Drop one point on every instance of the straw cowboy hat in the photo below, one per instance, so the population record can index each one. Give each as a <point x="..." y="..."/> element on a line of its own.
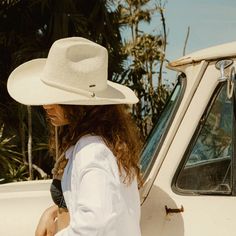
<point x="75" y="72"/>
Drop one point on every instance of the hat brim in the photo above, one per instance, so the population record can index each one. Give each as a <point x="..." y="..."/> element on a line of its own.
<point x="25" y="86"/>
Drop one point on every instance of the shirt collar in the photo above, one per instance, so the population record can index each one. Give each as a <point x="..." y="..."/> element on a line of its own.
<point x="69" y="152"/>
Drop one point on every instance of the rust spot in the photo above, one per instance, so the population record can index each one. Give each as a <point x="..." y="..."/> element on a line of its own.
<point x="174" y="210"/>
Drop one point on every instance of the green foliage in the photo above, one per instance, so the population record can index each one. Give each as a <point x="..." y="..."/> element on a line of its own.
<point x="145" y="50"/>
<point x="11" y="164"/>
<point x="16" y="173"/>
<point x="146" y="53"/>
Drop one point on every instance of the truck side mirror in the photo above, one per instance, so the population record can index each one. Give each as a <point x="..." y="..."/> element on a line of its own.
<point x="231" y="83"/>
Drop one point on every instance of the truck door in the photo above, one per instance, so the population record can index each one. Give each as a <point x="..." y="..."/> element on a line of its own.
<point x="194" y="190"/>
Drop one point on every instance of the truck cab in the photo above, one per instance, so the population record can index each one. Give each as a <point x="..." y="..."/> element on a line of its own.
<point x="188" y="161"/>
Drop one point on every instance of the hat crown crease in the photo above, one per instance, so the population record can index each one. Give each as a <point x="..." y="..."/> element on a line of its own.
<point x="76" y="67"/>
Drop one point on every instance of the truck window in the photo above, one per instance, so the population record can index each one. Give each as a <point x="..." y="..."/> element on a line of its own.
<point x="160" y="129"/>
<point x="207" y="167"/>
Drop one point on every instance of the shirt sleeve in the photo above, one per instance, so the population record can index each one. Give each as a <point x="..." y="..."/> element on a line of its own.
<point x="92" y="211"/>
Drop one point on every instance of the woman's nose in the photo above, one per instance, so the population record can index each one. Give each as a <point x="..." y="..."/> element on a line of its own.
<point x="46" y="107"/>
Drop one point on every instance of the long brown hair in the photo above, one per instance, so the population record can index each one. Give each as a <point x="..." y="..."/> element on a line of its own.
<point x="113" y="123"/>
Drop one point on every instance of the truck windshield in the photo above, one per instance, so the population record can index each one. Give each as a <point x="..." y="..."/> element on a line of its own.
<point x="157" y="135"/>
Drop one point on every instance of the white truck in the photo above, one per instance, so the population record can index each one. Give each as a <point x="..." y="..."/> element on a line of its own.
<point x="189" y="160"/>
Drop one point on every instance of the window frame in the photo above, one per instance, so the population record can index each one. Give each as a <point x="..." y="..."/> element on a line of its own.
<point x="192" y="143"/>
<point x="234" y="143"/>
<point x="182" y="80"/>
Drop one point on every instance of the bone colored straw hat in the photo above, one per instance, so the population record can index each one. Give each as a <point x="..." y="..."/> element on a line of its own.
<point x="75" y="72"/>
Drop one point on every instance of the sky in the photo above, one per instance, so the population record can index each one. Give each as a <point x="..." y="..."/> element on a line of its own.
<point x="211" y="22"/>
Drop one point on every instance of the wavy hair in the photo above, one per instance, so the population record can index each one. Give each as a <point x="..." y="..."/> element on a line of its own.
<point x="111" y="122"/>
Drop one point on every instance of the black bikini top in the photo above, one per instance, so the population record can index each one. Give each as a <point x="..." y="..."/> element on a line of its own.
<point x="57" y="194"/>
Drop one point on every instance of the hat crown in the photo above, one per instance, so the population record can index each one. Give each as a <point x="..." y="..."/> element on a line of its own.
<point x="76" y="64"/>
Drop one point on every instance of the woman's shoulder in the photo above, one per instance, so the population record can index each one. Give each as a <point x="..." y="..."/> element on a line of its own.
<point x="89" y="139"/>
<point x="90" y="143"/>
<point x="92" y="151"/>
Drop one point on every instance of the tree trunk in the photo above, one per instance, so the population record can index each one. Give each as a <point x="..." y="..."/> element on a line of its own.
<point x="30" y="142"/>
<point x="21" y="113"/>
<point x="186" y="41"/>
<point x="164" y="44"/>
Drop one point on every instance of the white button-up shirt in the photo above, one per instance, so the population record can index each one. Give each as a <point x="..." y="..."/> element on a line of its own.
<point x="99" y="203"/>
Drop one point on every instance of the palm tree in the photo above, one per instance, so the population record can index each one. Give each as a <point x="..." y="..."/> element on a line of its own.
<point x="146" y="54"/>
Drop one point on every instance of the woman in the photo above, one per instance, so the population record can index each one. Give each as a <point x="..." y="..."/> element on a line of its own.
<point x="97" y="143"/>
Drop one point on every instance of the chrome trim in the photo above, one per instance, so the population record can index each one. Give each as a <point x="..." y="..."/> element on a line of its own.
<point x="222" y="65"/>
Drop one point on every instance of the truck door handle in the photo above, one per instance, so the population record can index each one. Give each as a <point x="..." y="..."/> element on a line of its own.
<point x="174" y="210"/>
